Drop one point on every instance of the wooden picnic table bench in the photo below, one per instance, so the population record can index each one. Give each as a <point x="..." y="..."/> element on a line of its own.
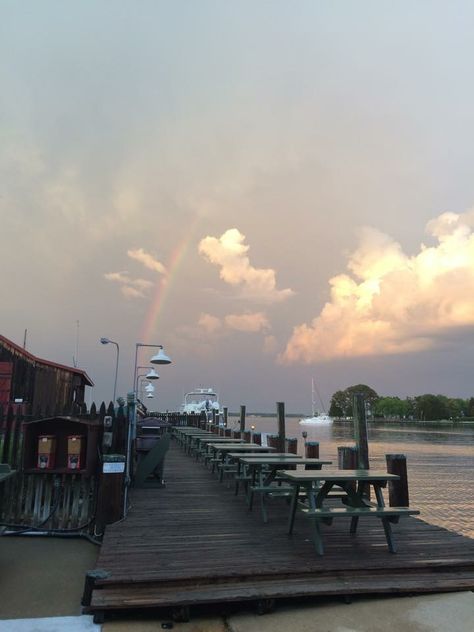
<point x="221" y="451"/>
<point x="264" y="476"/>
<point x="318" y="486"/>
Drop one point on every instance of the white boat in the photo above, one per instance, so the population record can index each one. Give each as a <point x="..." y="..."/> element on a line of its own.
<point x="317" y="418"/>
<point x="202" y="400"/>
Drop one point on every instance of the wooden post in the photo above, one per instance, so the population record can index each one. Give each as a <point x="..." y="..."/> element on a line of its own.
<point x="111" y="487"/>
<point x="360" y="430"/>
<point x="292" y="445"/>
<point x="247" y="436"/>
<point x="311" y="451"/>
<point x="242" y="418"/>
<point x="227" y="432"/>
<point x="226" y="413"/>
<point x="257" y="438"/>
<point x="398" y="490"/>
<point x="272" y="441"/>
<point x="281" y="426"/>
<point x="347" y="460"/>
<point x="213" y="415"/>
<point x="236" y="434"/>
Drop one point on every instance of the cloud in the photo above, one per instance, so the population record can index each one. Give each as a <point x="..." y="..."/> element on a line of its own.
<point x="229" y="252"/>
<point x="147" y="260"/>
<point x="270" y="345"/>
<point x="130" y="288"/>
<point x="209" y="323"/>
<point x="393" y="303"/>
<point x="247" y="322"/>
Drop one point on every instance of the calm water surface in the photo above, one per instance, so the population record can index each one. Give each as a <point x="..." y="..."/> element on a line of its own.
<point x="440" y="462"/>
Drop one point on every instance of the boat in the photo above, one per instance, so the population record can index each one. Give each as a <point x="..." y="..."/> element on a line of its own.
<point x="203" y="400"/>
<point x="317" y="418"/>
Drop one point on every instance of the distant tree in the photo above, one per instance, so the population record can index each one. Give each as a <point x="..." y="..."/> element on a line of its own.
<point x="431" y="407"/>
<point x="470" y="407"/>
<point x="391" y="407"/>
<point x="337" y="405"/>
<point x="341" y="401"/>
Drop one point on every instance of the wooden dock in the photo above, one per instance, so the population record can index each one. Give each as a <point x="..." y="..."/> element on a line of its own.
<point x="194" y="542"/>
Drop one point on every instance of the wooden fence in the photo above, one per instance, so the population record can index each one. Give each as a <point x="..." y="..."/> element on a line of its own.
<point x="54" y="500"/>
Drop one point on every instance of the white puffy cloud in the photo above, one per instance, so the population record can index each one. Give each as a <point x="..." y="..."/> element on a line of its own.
<point x="229" y="252"/>
<point x="209" y="323"/>
<point x="147" y="260"/>
<point x="130" y="288"/>
<point x="247" y="322"/>
<point x="392" y="302"/>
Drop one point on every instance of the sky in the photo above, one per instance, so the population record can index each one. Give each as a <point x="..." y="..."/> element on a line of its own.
<point x="274" y="191"/>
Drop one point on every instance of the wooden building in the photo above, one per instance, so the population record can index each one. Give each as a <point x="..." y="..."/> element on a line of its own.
<point x="36" y="384"/>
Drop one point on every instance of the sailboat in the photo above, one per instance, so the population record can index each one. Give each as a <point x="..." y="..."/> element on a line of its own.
<point x="318" y="418"/>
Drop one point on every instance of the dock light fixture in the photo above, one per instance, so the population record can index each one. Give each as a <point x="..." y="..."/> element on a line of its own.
<point x="106" y="341"/>
<point x="150" y="388"/>
<point x="152" y="375"/>
<point x="158" y="358"/>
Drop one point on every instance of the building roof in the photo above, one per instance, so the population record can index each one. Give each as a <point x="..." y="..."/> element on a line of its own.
<point x="8" y="343"/>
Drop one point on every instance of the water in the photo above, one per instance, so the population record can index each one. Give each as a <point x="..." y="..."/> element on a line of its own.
<point x="440" y="461"/>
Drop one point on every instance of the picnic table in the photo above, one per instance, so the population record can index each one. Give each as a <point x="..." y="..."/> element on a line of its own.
<point x="262" y="474"/>
<point x="318" y="485"/>
<point x="221" y="452"/>
<point x="199" y="444"/>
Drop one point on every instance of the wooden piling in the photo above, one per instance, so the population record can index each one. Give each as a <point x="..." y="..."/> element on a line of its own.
<point x="311" y="451"/>
<point x="226" y="413"/>
<point x="242" y="418"/>
<point x="347" y="458"/>
<point x="281" y="426"/>
<point x="111" y="488"/>
<point x="257" y="438"/>
<point x="360" y="430"/>
<point x="272" y="441"/>
<point x="398" y="490"/>
<point x="292" y="445"/>
<point x="247" y="435"/>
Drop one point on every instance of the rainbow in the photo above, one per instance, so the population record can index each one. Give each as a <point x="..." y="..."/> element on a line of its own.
<point x="165" y="283"/>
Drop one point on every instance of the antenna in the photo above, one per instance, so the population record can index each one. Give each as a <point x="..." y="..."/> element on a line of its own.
<point x="76" y="356"/>
<point x="24" y="339"/>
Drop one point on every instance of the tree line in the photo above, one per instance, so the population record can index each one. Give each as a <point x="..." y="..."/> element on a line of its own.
<point x="422" y="407"/>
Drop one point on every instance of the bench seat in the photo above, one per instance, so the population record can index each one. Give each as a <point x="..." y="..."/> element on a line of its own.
<point x="386" y="514"/>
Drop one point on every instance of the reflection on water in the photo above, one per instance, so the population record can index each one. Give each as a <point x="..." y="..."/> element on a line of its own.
<point x="440" y="462"/>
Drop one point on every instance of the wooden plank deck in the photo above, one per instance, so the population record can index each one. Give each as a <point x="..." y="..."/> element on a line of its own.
<point x="194" y="542"/>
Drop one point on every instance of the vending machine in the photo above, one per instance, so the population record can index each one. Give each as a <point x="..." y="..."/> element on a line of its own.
<point x="46" y="452"/>
<point x="74" y="452"/>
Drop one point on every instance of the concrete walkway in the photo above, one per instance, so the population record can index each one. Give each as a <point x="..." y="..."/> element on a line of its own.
<point x="449" y="612"/>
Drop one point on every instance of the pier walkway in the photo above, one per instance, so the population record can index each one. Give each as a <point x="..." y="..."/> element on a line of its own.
<point x="195" y="542"/>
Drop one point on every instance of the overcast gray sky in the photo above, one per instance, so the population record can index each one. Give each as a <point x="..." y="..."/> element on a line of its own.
<point x="272" y="190"/>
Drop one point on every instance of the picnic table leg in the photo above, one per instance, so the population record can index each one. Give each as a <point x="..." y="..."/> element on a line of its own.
<point x="387" y="527"/>
<point x="318" y="541"/>
<point x="294" y="503"/>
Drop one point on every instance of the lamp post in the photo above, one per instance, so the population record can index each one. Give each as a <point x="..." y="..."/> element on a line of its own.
<point x="158" y="358"/>
<point x="106" y="341"/>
